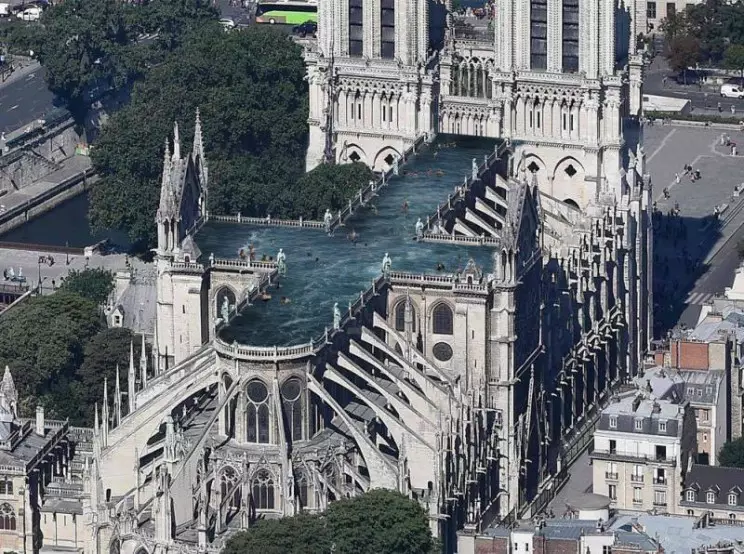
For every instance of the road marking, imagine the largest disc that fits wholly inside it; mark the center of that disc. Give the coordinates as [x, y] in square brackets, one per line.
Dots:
[13, 108]
[663, 143]
[699, 298]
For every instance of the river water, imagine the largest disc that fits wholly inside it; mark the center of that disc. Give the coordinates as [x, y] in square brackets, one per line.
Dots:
[66, 224]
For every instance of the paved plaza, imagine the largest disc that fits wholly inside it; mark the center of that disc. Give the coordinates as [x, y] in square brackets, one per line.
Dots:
[27, 263]
[692, 250]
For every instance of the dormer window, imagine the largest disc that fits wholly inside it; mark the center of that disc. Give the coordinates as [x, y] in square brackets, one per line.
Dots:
[662, 426]
[690, 496]
[638, 425]
[690, 391]
[117, 320]
[733, 499]
[613, 422]
[710, 497]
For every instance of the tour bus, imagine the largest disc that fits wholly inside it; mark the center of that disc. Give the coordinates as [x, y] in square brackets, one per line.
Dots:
[287, 12]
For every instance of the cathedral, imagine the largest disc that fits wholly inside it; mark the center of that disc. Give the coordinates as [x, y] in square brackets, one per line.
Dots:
[469, 391]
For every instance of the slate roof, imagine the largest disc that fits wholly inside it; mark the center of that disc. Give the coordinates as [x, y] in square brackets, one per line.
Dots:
[719, 480]
[137, 304]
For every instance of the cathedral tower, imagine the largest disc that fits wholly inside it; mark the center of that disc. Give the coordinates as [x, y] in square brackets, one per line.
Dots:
[559, 74]
[371, 80]
[182, 210]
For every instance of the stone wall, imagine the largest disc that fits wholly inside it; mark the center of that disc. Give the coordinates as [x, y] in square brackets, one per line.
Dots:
[37, 158]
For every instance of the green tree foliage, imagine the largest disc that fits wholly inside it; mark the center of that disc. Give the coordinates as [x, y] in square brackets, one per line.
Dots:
[325, 187]
[682, 52]
[377, 522]
[89, 45]
[60, 351]
[92, 283]
[42, 341]
[250, 89]
[302, 534]
[734, 59]
[732, 454]
[714, 24]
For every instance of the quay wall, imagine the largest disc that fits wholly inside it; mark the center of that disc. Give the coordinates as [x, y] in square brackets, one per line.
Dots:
[46, 200]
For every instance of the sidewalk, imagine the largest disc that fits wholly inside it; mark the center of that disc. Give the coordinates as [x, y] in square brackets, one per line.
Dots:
[22, 67]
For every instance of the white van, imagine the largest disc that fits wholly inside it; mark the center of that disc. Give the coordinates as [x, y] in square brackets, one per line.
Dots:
[732, 91]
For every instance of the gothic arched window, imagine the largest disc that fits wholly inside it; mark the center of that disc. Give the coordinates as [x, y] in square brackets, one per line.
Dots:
[7, 518]
[400, 317]
[257, 412]
[292, 401]
[6, 486]
[442, 320]
[262, 486]
[228, 482]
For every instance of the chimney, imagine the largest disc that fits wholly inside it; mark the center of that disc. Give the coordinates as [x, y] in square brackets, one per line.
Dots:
[40, 421]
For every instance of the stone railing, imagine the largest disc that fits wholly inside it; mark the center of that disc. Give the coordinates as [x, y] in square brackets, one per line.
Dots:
[267, 221]
[219, 263]
[188, 266]
[441, 281]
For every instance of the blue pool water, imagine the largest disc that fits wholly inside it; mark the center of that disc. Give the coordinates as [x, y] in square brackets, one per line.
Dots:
[323, 270]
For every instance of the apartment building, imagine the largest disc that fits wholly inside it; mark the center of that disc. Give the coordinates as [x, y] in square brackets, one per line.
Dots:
[643, 446]
[716, 493]
[707, 392]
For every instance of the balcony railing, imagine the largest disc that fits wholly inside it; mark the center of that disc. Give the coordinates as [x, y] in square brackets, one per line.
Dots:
[630, 456]
[660, 480]
[610, 475]
[636, 478]
[661, 503]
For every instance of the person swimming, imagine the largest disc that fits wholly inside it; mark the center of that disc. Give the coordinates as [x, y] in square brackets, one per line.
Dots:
[353, 236]
[405, 207]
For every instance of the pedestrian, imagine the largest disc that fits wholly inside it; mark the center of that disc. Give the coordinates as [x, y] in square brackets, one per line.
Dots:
[733, 109]
[720, 108]
[664, 82]
[676, 178]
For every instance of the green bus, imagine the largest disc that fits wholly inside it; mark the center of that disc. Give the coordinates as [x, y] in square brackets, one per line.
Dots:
[289, 12]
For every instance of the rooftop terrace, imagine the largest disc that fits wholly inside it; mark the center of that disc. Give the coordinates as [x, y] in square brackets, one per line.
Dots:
[323, 270]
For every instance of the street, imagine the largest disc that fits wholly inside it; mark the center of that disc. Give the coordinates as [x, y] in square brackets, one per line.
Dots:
[702, 98]
[24, 98]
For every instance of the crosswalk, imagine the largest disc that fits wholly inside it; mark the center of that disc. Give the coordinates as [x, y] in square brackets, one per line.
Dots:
[699, 297]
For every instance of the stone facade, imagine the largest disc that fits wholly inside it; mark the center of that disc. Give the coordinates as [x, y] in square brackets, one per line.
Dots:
[643, 448]
[466, 391]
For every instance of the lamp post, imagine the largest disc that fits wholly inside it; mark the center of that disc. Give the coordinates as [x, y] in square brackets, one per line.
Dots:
[67, 252]
[40, 261]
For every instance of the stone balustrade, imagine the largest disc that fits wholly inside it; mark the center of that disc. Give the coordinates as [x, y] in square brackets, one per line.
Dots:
[268, 221]
[241, 264]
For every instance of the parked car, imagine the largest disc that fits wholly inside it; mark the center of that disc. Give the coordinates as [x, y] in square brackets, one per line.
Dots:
[732, 91]
[227, 23]
[30, 14]
[307, 28]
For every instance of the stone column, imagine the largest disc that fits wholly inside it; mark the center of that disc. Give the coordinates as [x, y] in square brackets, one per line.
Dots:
[240, 430]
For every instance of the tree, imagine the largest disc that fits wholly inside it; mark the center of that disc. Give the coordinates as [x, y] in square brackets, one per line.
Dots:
[102, 354]
[251, 92]
[732, 454]
[94, 284]
[325, 187]
[92, 46]
[42, 342]
[302, 534]
[376, 522]
[734, 59]
[682, 52]
[379, 522]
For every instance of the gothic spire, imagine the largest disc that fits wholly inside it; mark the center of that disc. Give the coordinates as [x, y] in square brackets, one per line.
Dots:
[105, 414]
[117, 399]
[164, 209]
[176, 142]
[96, 425]
[143, 364]
[131, 378]
[8, 397]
